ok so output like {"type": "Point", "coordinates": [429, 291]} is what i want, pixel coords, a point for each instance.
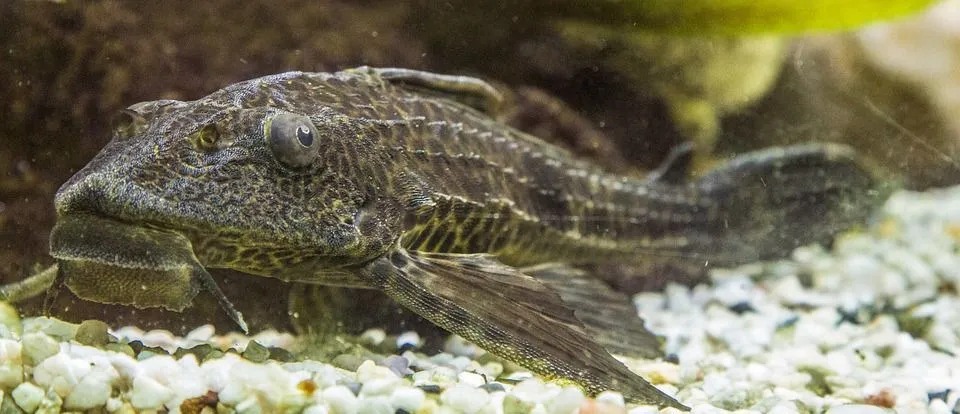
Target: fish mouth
{"type": "Point", "coordinates": [110, 197]}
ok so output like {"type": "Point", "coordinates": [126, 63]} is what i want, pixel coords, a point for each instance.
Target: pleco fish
{"type": "Point", "coordinates": [401, 181]}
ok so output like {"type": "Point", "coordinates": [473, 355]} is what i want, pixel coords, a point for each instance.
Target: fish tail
{"type": "Point", "coordinates": [778, 199]}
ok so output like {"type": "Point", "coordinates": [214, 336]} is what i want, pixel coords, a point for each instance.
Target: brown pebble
{"type": "Point", "coordinates": [307, 386]}
{"type": "Point", "coordinates": [196, 405]}
{"type": "Point", "coordinates": [884, 398]}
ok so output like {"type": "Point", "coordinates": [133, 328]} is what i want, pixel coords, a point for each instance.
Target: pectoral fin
{"type": "Point", "coordinates": [609, 316]}
{"type": "Point", "coordinates": [509, 314]}
{"type": "Point", "coordinates": [108, 261]}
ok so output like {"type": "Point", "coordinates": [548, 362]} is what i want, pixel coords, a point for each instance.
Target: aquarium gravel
{"type": "Point", "coordinates": [869, 326]}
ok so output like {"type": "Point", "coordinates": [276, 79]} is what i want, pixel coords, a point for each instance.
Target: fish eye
{"type": "Point", "coordinates": [292, 139]}
{"type": "Point", "coordinates": [304, 135]}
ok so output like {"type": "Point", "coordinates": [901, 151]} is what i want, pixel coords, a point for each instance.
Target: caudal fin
{"type": "Point", "coordinates": [778, 199]}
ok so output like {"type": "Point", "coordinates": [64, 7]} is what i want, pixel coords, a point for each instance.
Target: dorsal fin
{"type": "Point", "coordinates": [466, 90]}
{"type": "Point", "coordinates": [675, 168]}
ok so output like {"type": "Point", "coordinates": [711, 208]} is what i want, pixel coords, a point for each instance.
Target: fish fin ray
{"type": "Point", "coordinates": [509, 314]}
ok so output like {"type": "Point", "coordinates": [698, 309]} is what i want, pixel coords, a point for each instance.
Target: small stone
{"type": "Point", "coordinates": [256, 352]}
{"type": "Point", "coordinates": [341, 400]}
{"type": "Point", "coordinates": [354, 387]}
{"type": "Point", "coordinates": [408, 340]}
{"type": "Point", "coordinates": [27, 396]}
{"type": "Point", "coordinates": [431, 388]}
{"type": "Point", "coordinates": [115, 404]}
{"type": "Point", "coordinates": [464, 398]}
{"type": "Point", "coordinates": [59, 330]}
{"type": "Point", "coordinates": [858, 409]}
{"type": "Point", "coordinates": [373, 336]}
{"type": "Point", "coordinates": [408, 399]}
{"type": "Point", "coordinates": [568, 401]}
{"type": "Point", "coordinates": [249, 405]}
{"type": "Point", "coordinates": [514, 405]}
{"type": "Point", "coordinates": [51, 403]}
{"type": "Point", "coordinates": [148, 394]}
{"type": "Point", "coordinates": [281, 355]}
{"type": "Point", "coordinates": [93, 333]}
{"type": "Point", "coordinates": [532, 390]}
{"type": "Point", "coordinates": [938, 395]}
{"type": "Point", "coordinates": [369, 370]}
{"type": "Point", "coordinates": [742, 307]}
{"type": "Point", "coordinates": [38, 346]}
{"type": "Point", "coordinates": [398, 364]}
{"type": "Point", "coordinates": [457, 345]}
{"type": "Point", "coordinates": [375, 405]}
{"type": "Point", "coordinates": [346, 361]}
{"type": "Point", "coordinates": [471, 379]}
{"type": "Point", "coordinates": [199, 351]}
{"type": "Point", "coordinates": [214, 354]}
{"type": "Point", "coordinates": [441, 376]}
{"type": "Point", "coordinates": [201, 333]}
{"type": "Point", "coordinates": [91, 392]}
{"type": "Point", "coordinates": [611, 397]}
{"type": "Point", "coordinates": [379, 386]}
{"type": "Point", "coordinates": [492, 387]}
{"type": "Point", "coordinates": [316, 409]}
{"type": "Point", "coordinates": [119, 348]}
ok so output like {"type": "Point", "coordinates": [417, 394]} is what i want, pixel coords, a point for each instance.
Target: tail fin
{"type": "Point", "coordinates": [778, 199]}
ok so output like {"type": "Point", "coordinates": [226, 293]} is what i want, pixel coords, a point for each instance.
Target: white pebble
{"type": "Point", "coordinates": [92, 391]}
{"type": "Point", "coordinates": [340, 399]}
{"type": "Point", "coordinates": [316, 409]}
{"type": "Point", "coordinates": [858, 409]}
{"type": "Point", "coordinates": [531, 390]}
{"type": "Point", "coordinates": [407, 398]}
{"type": "Point", "coordinates": [375, 405]}
{"type": "Point", "coordinates": [568, 401]}
{"type": "Point", "coordinates": [465, 398]}
{"type": "Point", "coordinates": [379, 386]}
{"type": "Point", "coordinates": [148, 393]}
{"type": "Point", "coordinates": [60, 373]}
{"type": "Point", "coordinates": [373, 336]}
{"type": "Point", "coordinates": [611, 397]}
{"type": "Point", "coordinates": [409, 338]}
{"type": "Point", "coordinates": [249, 406]}
{"type": "Point", "coordinates": [471, 379]}
{"type": "Point", "coordinates": [27, 396]}
{"type": "Point", "coordinates": [368, 371]}
{"type": "Point", "coordinates": [201, 333]}
{"type": "Point", "coordinates": [38, 346]}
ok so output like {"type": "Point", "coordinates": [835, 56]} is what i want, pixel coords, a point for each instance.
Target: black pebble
{"type": "Point", "coordinates": [672, 358]}
{"type": "Point", "coordinates": [938, 395]}
{"type": "Point", "coordinates": [431, 388]}
{"type": "Point", "coordinates": [786, 323]}
{"type": "Point", "coordinates": [742, 307]}
{"type": "Point", "coordinates": [492, 387]}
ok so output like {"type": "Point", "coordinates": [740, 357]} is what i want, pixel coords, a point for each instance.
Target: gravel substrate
{"type": "Point", "coordinates": [869, 327]}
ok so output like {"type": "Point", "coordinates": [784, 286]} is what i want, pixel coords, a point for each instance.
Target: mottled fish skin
{"type": "Point", "coordinates": [399, 183]}
{"type": "Point", "coordinates": [437, 175]}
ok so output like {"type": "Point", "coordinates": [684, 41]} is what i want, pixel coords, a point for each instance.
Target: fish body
{"type": "Point", "coordinates": [403, 181]}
